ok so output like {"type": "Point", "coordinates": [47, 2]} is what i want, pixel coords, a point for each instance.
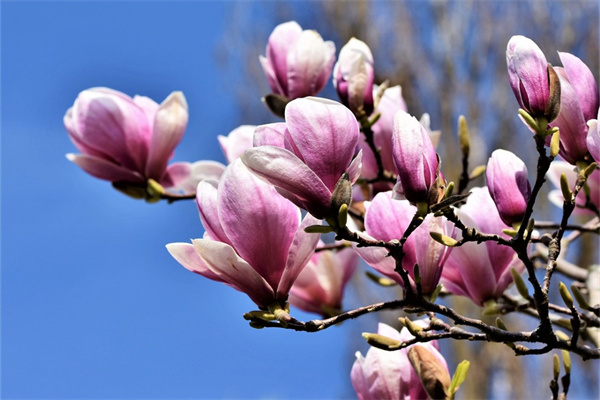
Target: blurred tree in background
{"type": "Point", "coordinates": [449, 58]}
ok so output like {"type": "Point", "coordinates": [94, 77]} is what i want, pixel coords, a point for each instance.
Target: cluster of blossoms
{"type": "Point", "coordinates": [366, 156]}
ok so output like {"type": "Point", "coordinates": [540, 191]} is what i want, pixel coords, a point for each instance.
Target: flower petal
{"type": "Point", "coordinates": [325, 133]}
{"type": "Point", "coordinates": [247, 206]}
{"type": "Point", "coordinates": [283, 169]}
{"type": "Point", "coordinates": [223, 261]}
{"type": "Point", "coordinates": [300, 251]}
{"type": "Point", "coordinates": [169, 125]}
{"type": "Point", "coordinates": [186, 255]}
{"type": "Point", "coordinates": [100, 168]}
{"type": "Point", "coordinates": [582, 80]}
{"type": "Point", "coordinates": [238, 140]}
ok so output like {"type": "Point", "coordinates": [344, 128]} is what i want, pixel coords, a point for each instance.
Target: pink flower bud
{"type": "Point", "coordinates": [415, 159]}
{"type": "Point", "coordinates": [593, 138]}
{"type": "Point", "coordinates": [480, 271]}
{"type": "Point", "coordinates": [298, 63]}
{"type": "Point", "coordinates": [387, 219]}
{"type": "Point", "coordinates": [308, 154]}
{"type": "Point", "coordinates": [263, 266]}
{"type": "Point", "coordinates": [389, 375]}
{"type": "Point", "coordinates": [128, 140]}
{"type": "Point", "coordinates": [320, 286]}
{"type": "Point", "coordinates": [353, 77]}
{"type": "Point", "coordinates": [509, 186]}
{"type": "Point", "coordinates": [528, 76]}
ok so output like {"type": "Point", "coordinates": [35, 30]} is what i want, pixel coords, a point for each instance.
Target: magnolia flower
{"type": "Point", "coordinates": [389, 375]}
{"type": "Point", "coordinates": [128, 140]}
{"type": "Point", "coordinates": [238, 140]}
{"type": "Point", "coordinates": [308, 154]}
{"type": "Point", "coordinates": [571, 121]}
{"type": "Point", "coordinates": [298, 63]}
{"type": "Point", "coordinates": [556, 197]}
{"type": "Point", "coordinates": [391, 102]}
{"type": "Point", "coordinates": [480, 271]}
{"type": "Point", "coordinates": [265, 265]}
{"type": "Point", "coordinates": [509, 187]}
{"type": "Point", "coordinates": [353, 77]}
{"type": "Point", "coordinates": [387, 219]}
{"type": "Point", "coordinates": [416, 161]}
{"type": "Point", "coordinates": [320, 286]}
{"type": "Point", "coordinates": [528, 73]}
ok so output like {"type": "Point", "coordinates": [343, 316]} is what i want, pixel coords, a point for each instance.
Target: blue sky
{"type": "Point", "coordinates": [92, 305]}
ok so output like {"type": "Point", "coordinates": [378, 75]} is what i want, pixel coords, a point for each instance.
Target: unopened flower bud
{"type": "Point", "coordinates": [463, 136]}
{"type": "Point", "coordinates": [433, 375]}
{"type": "Point", "coordinates": [443, 239]}
{"type": "Point", "coordinates": [381, 342]}
{"type": "Point", "coordinates": [564, 187]}
{"type": "Point", "coordinates": [508, 184]}
{"type": "Point", "coordinates": [353, 77]}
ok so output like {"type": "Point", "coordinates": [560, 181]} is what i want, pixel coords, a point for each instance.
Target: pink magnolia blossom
{"type": "Point", "coordinates": [389, 375]}
{"type": "Point", "coordinates": [415, 158]}
{"type": "Point", "coordinates": [571, 121]}
{"type": "Point", "coordinates": [238, 140]}
{"type": "Point", "coordinates": [528, 74]}
{"type": "Point", "coordinates": [387, 219]}
{"type": "Point", "coordinates": [480, 271]}
{"type": "Point", "coordinates": [509, 186]}
{"type": "Point", "coordinates": [298, 63]}
{"type": "Point", "coordinates": [305, 157]}
{"type": "Point", "coordinates": [560, 167]}
{"type": "Point", "coordinates": [582, 80]}
{"type": "Point", "coordinates": [128, 140]}
{"type": "Point", "coordinates": [353, 76]}
{"type": "Point", "coordinates": [320, 286]}
{"type": "Point", "coordinates": [265, 265]}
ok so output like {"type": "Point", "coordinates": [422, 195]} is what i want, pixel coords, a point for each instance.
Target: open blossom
{"type": "Point", "coordinates": [263, 266]}
{"type": "Point", "coordinates": [528, 73]}
{"type": "Point", "coordinates": [509, 186]}
{"type": "Point", "coordinates": [389, 375]}
{"type": "Point", "coordinates": [353, 76]}
{"type": "Point", "coordinates": [298, 63]}
{"type": "Point", "coordinates": [320, 286]}
{"type": "Point", "coordinates": [579, 104]}
{"type": "Point", "coordinates": [480, 271]}
{"type": "Point", "coordinates": [556, 197]}
{"type": "Point", "coordinates": [128, 140]}
{"type": "Point", "coordinates": [305, 157]}
{"type": "Point", "coordinates": [387, 219]}
{"type": "Point", "coordinates": [416, 161]}
{"type": "Point", "coordinates": [238, 140]}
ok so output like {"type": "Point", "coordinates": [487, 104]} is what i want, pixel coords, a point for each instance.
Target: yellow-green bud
{"type": "Point", "coordinates": [529, 120]}
{"type": "Point", "coordinates": [590, 169]}
{"type": "Point", "coordinates": [381, 342]}
{"type": "Point", "coordinates": [422, 209]}
{"type": "Point", "coordinates": [556, 366]}
{"type": "Point", "coordinates": [555, 144]}
{"type": "Point", "coordinates": [565, 189]}
{"type": "Point", "coordinates": [477, 172]}
{"type": "Point", "coordinates": [413, 328]}
{"type": "Point", "coordinates": [566, 361]}
{"type": "Point", "coordinates": [510, 232]}
{"type": "Point", "coordinates": [318, 229]}
{"type": "Point", "coordinates": [500, 324]}
{"type": "Point", "coordinates": [566, 296]}
{"type": "Point", "coordinates": [343, 215]}
{"type": "Point", "coordinates": [154, 189]}
{"type": "Point", "coordinates": [561, 335]}
{"type": "Point", "coordinates": [520, 284]}
{"type": "Point", "coordinates": [380, 280]}
{"type": "Point", "coordinates": [463, 136]}
{"type": "Point", "coordinates": [449, 190]}
{"type": "Point", "coordinates": [443, 239]}
{"type": "Point", "coordinates": [579, 297]}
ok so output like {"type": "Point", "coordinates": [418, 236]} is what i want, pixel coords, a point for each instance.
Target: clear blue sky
{"type": "Point", "coordinates": [93, 306]}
